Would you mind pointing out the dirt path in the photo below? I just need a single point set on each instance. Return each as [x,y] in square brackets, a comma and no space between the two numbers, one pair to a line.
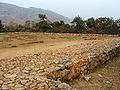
[31,49]
[106,77]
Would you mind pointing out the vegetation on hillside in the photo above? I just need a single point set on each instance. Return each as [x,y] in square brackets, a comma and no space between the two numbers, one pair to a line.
[102,25]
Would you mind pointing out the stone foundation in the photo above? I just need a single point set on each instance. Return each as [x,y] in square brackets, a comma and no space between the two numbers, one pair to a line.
[47,70]
[80,68]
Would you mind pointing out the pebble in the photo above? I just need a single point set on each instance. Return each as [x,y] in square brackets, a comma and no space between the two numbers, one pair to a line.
[24,81]
[42,67]
[10,76]
[18,86]
[28,83]
[108,82]
[1,82]
[11,85]
[100,75]
[27,68]
[57,68]
[63,86]
[87,78]
[43,85]
[25,71]
[4,87]
[58,82]
[33,85]
[35,69]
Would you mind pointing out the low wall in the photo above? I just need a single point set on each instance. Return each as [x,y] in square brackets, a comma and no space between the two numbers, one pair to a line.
[85,65]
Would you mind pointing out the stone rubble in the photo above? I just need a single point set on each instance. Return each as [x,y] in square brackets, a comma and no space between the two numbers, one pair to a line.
[47,70]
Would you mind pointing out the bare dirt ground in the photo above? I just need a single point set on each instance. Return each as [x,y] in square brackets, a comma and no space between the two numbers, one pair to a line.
[105,77]
[12,45]
[18,51]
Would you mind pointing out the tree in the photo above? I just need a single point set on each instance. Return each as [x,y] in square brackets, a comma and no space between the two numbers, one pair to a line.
[79,24]
[90,23]
[62,22]
[118,24]
[1,26]
[65,28]
[42,17]
[56,24]
[103,22]
[106,25]
[44,24]
[60,27]
[33,26]
[27,24]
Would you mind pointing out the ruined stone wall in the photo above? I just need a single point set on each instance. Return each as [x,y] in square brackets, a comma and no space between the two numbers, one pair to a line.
[46,70]
[85,64]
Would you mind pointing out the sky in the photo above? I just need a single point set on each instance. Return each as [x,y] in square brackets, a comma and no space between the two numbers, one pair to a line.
[72,8]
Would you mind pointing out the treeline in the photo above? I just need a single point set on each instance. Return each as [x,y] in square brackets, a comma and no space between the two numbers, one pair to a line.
[102,25]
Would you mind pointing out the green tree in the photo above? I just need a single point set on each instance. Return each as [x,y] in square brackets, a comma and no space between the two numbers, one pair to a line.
[103,22]
[79,24]
[60,27]
[118,24]
[106,26]
[65,28]
[90,22]
[1,26]
[62,23]
[27,25]
[44,24]
[56,24]
[42,17]
[33,26]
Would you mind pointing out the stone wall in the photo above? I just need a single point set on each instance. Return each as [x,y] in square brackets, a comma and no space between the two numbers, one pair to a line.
[48,70]
[85,65]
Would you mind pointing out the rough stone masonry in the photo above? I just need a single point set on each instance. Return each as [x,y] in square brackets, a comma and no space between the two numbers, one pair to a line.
[48,70]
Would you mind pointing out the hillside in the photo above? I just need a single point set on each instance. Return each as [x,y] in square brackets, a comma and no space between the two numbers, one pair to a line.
[9,12]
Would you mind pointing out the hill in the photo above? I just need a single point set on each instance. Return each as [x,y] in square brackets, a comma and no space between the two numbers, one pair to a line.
[9,12]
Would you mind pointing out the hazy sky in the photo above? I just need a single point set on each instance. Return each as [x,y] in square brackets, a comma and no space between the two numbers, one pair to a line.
[72,8]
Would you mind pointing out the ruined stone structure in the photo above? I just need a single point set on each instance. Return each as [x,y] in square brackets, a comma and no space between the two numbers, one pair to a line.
[49,70]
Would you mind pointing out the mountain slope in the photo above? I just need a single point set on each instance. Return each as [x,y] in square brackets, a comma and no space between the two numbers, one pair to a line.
[9,12]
